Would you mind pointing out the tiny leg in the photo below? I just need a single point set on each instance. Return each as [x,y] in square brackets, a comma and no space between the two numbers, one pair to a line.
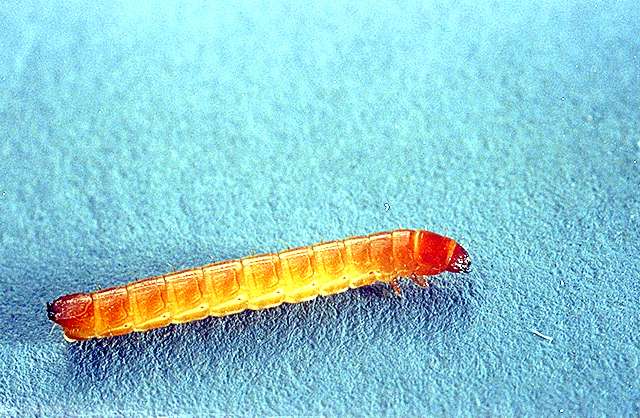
[420,281]
[395,286]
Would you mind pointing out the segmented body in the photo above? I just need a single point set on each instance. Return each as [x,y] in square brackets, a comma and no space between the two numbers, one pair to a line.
[254,282]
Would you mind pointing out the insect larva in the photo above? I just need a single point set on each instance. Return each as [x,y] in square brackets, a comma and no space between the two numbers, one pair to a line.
[258,282]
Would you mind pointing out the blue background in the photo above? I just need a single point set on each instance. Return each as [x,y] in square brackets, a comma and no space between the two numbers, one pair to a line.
[135,140]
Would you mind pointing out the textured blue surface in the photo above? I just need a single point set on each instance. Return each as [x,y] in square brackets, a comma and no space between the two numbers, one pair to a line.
[139,139]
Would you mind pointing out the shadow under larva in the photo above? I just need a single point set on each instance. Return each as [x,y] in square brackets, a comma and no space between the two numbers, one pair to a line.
[359,320]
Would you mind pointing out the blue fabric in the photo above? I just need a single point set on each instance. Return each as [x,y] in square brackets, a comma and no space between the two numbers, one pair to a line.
[136,140]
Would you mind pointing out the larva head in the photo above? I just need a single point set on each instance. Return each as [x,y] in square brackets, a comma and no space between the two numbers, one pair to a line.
[435,254]
[460,261]
[74,313]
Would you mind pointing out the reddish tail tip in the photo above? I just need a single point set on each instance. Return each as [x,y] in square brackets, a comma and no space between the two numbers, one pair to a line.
[460,260]
[69,307]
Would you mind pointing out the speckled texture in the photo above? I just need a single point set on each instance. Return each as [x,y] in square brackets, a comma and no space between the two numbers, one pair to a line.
[136,140]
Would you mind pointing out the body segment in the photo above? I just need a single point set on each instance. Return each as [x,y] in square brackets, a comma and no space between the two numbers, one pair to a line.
[256,282]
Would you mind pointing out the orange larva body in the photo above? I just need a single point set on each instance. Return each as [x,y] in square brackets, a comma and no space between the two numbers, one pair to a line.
[256,282]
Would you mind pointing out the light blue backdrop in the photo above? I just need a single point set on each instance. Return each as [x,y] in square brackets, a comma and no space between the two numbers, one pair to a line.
[135,140]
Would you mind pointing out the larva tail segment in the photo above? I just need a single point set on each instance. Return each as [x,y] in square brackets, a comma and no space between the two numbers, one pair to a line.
[75,314]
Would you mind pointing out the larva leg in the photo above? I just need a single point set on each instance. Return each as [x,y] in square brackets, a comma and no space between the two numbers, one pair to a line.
[395,286]
[420,281]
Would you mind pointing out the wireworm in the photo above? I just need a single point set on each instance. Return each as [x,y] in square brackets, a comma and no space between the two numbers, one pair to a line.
[258,282]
